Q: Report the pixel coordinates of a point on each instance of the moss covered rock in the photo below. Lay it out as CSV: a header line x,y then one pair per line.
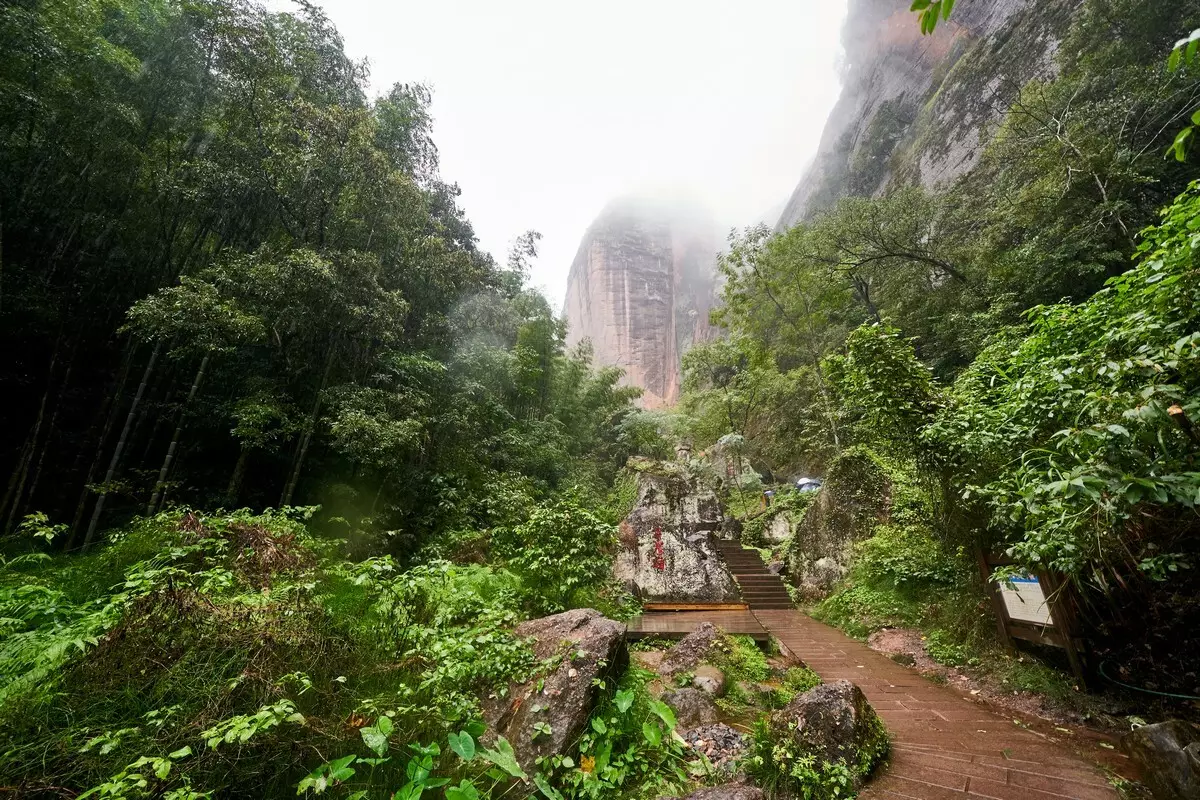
x,y
831,729
855,498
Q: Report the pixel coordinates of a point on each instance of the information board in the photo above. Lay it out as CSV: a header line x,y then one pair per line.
x,y
1025,601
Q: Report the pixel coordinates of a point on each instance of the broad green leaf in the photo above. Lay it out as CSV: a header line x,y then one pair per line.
x,y
464,791
374,740
463,745
545,788
504,758
623,700
652,734
663,712
598,726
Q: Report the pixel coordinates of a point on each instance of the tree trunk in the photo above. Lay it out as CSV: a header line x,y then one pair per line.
x,y
62,388
110,418
290,488
161,483
116,456
21,475
235,480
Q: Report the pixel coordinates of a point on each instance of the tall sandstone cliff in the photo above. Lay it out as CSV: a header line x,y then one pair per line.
x,y
640,289
919,109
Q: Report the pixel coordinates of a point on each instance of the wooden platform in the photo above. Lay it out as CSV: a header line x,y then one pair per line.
x,y
676,625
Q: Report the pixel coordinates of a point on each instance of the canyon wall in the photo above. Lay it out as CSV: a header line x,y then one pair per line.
x,y
919,109
640,289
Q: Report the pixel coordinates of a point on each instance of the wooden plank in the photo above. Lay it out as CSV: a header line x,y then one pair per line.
x,y
678,624
695,606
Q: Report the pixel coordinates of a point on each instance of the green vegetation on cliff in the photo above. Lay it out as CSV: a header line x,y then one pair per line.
x,y
991,347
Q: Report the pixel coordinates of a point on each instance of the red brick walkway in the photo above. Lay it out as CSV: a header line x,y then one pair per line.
x,y
944,746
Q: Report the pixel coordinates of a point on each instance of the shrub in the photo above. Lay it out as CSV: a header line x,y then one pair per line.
x,y
562,554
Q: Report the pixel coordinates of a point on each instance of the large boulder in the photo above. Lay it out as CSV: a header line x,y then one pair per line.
x,y
690,650
692,707
1169,755
592,646
855,498
666,552
834,723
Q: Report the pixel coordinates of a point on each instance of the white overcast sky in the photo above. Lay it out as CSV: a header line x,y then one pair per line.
x,y
547,109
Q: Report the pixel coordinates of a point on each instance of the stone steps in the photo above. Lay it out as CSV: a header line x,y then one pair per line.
x,y
759,588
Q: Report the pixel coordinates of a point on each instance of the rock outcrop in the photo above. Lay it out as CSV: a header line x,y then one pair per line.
x,y
689,651
856,497
666,554
592,646
919,109
834,723
640,290
1169,756
692,707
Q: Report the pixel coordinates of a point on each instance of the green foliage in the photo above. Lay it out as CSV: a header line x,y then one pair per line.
x,y
784,769
741,659
248,643
930,11
216,181
1074,437
561,554
630,749
887,394
790,503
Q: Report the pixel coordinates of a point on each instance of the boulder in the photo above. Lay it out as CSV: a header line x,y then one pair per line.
x,y
834,723
689,651
592,646
692,707
1169,755
779,529
776,567
666,552
855,498
709,680
730,791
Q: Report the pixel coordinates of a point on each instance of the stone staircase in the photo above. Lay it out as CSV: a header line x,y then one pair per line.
x,y
760,589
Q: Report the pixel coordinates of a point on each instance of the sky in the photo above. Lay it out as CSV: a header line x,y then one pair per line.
x,y
545,110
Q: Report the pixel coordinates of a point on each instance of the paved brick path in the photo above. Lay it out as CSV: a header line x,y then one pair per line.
x,y
944,746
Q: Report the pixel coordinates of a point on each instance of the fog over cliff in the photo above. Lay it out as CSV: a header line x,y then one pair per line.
x,y
640,289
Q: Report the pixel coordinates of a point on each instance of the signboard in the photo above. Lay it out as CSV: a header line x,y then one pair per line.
x,y
1035,607
1024,600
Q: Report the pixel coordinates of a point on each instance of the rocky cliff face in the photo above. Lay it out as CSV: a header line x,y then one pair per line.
x,y
919,109
640,289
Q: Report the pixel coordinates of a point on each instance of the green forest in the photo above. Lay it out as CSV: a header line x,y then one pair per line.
x,y
287,455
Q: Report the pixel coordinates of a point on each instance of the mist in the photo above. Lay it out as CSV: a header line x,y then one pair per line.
x,y
547,111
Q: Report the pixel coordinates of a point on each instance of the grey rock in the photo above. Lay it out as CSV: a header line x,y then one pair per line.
x,y
594,647
833,722
905,113
1169,755
730,791
689,651
709,680
779,529
675,508
640,288
855,499
692,707
776,567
